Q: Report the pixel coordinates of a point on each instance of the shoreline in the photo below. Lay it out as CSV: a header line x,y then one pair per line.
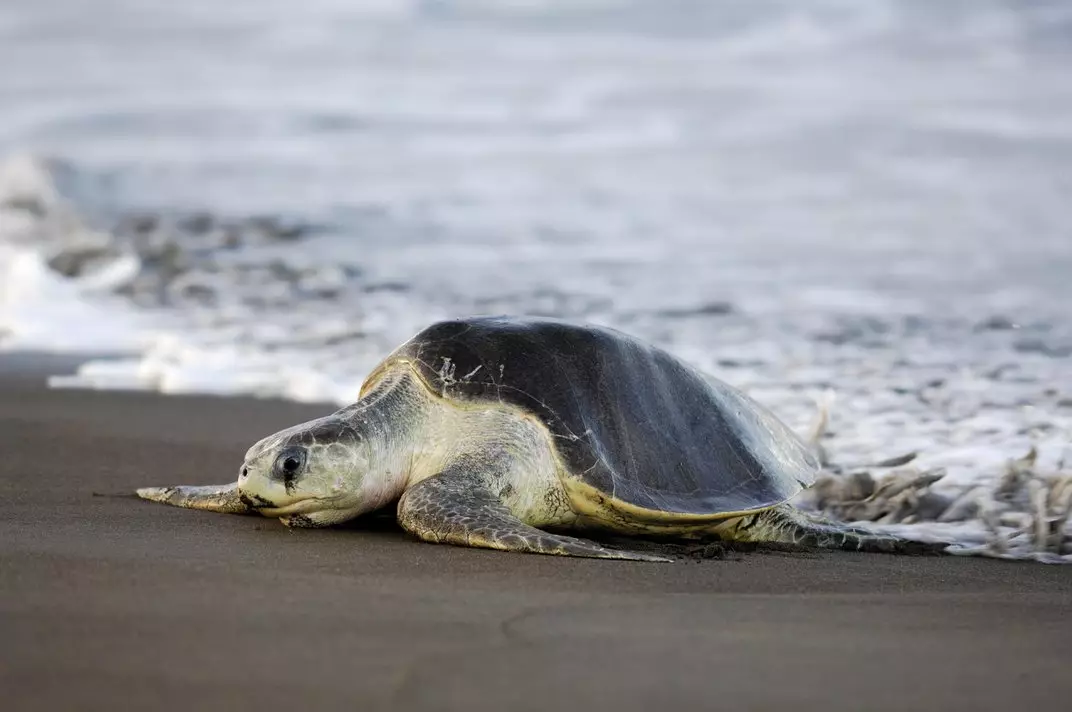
x,y
108,600
32,368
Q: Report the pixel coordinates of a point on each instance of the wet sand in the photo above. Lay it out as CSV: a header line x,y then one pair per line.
x,y
114,603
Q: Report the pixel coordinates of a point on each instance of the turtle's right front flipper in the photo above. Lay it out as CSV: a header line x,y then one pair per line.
x,y
212,498
457,507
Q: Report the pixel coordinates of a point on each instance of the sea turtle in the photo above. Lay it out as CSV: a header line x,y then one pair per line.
x,y
507,433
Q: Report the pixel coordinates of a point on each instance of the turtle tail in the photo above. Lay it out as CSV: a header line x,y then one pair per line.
x,y
785,524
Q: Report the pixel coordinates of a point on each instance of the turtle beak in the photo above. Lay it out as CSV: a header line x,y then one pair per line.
x,y
253,501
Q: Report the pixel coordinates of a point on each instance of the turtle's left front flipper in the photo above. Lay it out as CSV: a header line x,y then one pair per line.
x,y
211,498
457,507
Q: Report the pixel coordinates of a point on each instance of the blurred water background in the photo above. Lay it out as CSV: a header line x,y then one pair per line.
x,y
868,198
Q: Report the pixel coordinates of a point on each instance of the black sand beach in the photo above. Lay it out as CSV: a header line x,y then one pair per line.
x,y
114,603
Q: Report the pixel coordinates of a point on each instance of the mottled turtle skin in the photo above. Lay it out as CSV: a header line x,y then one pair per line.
x,y
516,433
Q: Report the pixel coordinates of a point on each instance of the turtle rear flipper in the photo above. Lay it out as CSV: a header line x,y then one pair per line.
x,y
457,507
211,498
785,524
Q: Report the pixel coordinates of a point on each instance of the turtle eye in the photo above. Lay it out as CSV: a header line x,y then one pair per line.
x,y
290,463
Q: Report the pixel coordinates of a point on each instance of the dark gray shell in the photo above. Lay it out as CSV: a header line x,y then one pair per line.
x,y
628,418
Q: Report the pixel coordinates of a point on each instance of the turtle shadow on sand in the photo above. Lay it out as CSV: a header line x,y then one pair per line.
x,y
385,521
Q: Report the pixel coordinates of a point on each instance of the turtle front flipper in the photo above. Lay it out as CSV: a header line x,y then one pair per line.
x,y
785,524
457,507
212,498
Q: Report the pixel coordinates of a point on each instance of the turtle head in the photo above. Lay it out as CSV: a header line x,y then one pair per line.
x,y
314,474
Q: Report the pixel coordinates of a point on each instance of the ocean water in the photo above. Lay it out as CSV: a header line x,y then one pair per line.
x,y
857,200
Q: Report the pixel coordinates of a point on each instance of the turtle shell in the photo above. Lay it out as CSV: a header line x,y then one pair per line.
x,y
628,418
